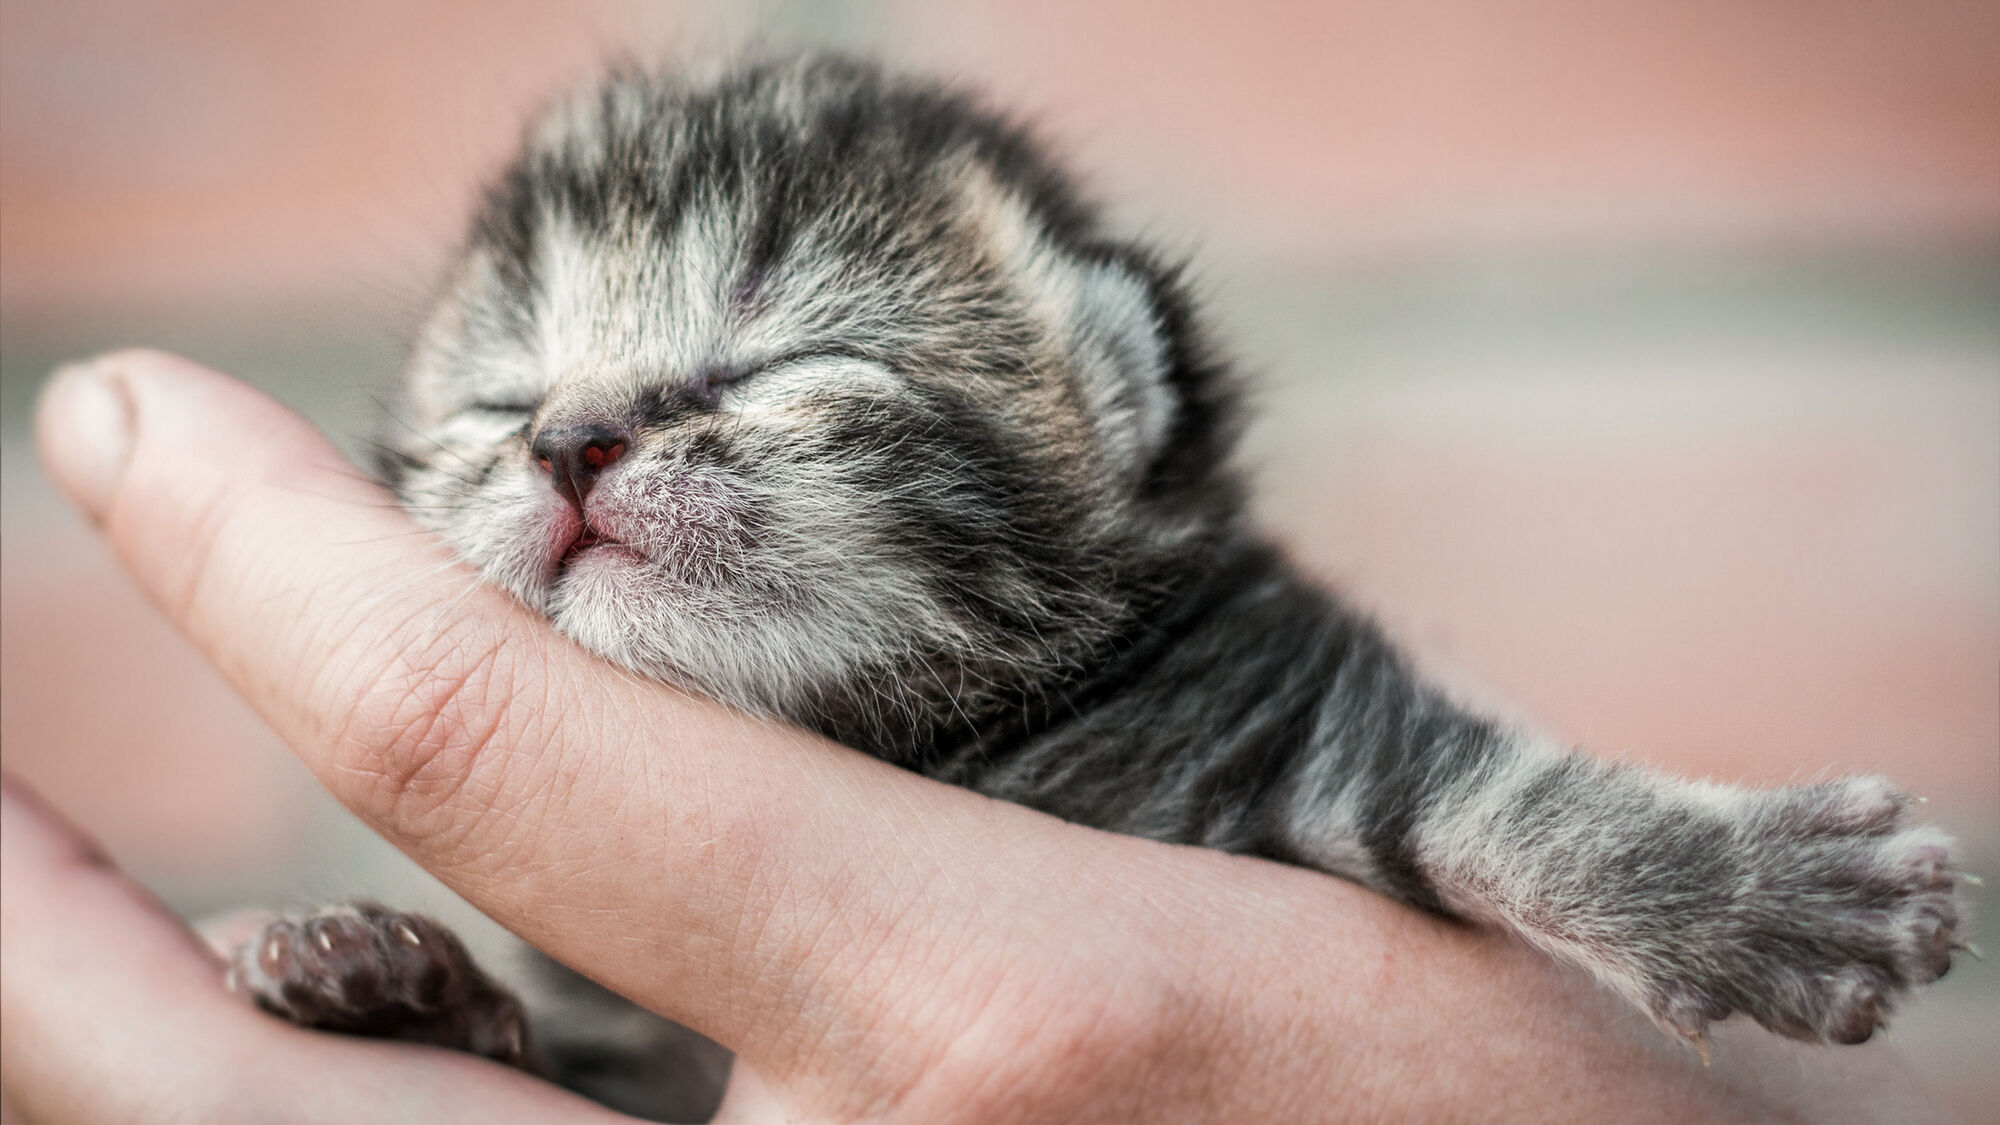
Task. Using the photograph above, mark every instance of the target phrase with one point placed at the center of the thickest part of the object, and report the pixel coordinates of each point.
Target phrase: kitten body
(824, 394)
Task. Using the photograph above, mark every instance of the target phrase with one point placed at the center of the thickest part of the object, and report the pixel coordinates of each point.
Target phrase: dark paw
(1839, 910)
(366, 970)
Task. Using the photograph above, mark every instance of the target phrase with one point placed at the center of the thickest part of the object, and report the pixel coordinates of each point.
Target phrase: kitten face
(891, 438)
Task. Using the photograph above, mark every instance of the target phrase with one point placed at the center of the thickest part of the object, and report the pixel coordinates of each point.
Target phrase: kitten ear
(1119, 352)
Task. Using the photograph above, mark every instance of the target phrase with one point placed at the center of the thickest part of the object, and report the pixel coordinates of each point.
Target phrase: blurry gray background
(1639, 362)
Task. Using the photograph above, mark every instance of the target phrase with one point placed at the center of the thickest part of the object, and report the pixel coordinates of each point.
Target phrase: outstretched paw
(366, 970)
(1839, 909)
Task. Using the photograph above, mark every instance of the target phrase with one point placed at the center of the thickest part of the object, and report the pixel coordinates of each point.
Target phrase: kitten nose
(574, 455)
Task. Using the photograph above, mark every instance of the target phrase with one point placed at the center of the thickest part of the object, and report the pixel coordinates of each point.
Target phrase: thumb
(746, 879)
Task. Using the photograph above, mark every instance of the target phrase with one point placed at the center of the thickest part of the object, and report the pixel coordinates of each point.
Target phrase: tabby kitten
(823, 393)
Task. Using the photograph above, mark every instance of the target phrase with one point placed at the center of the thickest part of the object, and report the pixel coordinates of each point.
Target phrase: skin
(879, 947)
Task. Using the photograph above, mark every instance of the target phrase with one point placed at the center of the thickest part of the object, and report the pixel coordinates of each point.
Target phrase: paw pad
(366, 970)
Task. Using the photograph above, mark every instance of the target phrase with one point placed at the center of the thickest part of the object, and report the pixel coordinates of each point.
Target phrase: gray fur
(926, 460)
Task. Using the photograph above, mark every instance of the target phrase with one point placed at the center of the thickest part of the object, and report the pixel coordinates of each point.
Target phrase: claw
(1977, 953)
(1697, 1041)
(1969, 877)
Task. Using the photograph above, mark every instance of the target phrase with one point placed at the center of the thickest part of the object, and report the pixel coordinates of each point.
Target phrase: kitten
(823, 393)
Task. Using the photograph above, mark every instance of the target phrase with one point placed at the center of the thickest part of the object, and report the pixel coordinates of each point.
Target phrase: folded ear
(1118, 350)
(1105, 311)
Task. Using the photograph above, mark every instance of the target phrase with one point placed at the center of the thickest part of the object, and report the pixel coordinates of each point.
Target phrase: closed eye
(711, 380)
(804, 355)
(500, 407)
(714, 378)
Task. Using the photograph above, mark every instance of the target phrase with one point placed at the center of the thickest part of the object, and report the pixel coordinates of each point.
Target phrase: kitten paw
(1836, 911)
(366, 970)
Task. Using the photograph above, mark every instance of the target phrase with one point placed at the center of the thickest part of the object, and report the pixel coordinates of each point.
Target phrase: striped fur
(925, 459)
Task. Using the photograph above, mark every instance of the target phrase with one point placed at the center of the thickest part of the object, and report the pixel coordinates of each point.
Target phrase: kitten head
(821, 393)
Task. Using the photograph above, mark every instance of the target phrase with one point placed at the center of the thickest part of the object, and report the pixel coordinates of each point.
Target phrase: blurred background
(1639, 362)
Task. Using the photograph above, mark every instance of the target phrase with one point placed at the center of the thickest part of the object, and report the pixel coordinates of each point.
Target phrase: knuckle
(425, 741)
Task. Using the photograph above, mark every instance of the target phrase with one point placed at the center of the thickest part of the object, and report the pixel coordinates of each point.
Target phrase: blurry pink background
(1639, 362)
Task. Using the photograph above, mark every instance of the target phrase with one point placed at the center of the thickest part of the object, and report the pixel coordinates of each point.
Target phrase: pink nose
(573, 456)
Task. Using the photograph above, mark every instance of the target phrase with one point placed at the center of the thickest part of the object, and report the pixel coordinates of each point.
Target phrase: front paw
(1838, 909)
(365, 970)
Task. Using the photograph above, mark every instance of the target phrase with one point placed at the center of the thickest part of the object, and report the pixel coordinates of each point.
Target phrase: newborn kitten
(823, 393)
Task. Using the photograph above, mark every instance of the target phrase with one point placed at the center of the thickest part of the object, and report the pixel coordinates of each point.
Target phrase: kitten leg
(1811, 910)
(366, 970)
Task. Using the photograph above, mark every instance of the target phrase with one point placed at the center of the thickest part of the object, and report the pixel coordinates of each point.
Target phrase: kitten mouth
(586, 538)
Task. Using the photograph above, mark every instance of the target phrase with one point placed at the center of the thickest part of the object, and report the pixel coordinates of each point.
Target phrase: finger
(740, 877)
(111, 1011)
(782, 894)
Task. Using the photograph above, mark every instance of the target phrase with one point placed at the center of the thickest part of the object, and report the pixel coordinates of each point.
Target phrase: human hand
(873, 944)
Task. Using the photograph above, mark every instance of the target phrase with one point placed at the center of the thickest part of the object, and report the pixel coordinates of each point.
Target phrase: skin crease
(879, 947)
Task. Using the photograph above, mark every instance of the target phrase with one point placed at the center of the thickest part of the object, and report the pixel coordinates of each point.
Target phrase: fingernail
(84, 428)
